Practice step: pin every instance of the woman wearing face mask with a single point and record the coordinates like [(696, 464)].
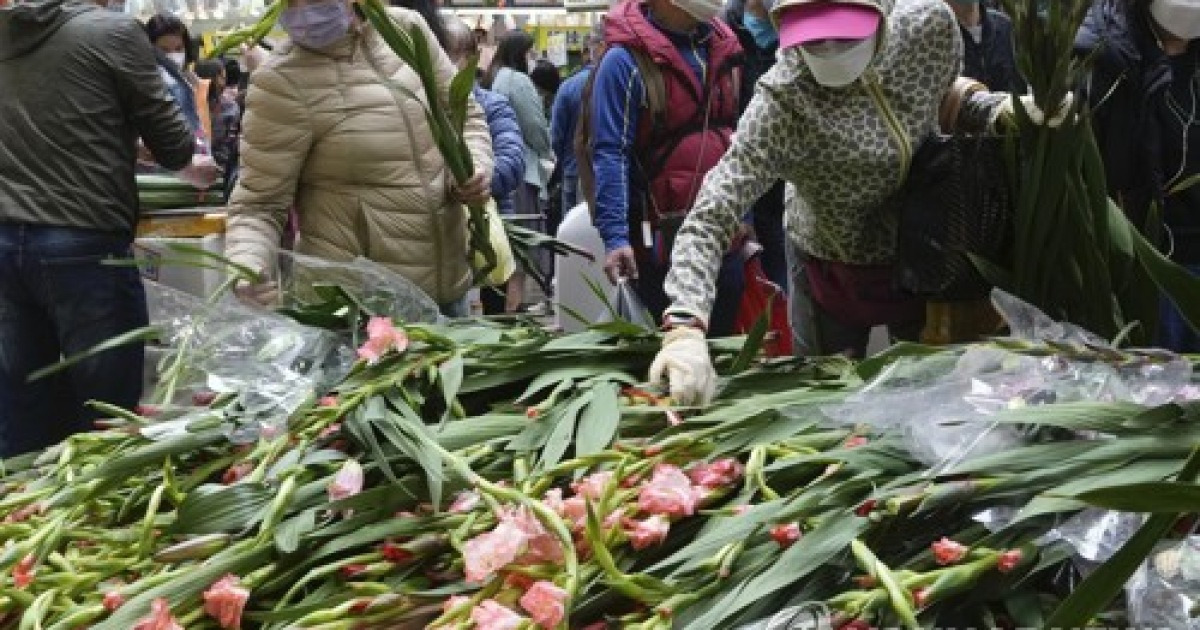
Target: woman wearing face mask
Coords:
[(857, 86), (1144, 91), (323, 129), (173, 45)]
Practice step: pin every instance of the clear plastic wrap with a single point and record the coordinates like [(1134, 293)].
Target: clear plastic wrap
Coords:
[(1165, 591), (946, 402), (379, 289), (270, 363)]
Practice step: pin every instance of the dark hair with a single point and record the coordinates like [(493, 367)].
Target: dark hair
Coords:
[(511, 52), (211, 69), (233, 72), (546, 77), (163, 24), (428, 9)]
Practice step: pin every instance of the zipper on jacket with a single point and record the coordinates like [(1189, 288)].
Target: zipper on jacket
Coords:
[(871, 81)]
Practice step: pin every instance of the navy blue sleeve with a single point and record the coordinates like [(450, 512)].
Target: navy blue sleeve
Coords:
[(562, 119), (508, 147), (617, 98)]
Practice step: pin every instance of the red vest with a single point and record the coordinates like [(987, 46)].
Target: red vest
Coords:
[(676, 150)]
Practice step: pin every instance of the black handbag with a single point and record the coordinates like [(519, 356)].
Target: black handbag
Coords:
[(956, 202)]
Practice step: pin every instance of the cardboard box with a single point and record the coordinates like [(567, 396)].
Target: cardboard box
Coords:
[(162, 262)]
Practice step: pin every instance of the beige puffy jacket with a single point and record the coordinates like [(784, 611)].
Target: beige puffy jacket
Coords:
[(358, 160)]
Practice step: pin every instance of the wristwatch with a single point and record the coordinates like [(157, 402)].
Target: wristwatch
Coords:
[(676, 320)]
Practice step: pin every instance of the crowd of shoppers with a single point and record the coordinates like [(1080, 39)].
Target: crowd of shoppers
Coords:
[(701, 124)]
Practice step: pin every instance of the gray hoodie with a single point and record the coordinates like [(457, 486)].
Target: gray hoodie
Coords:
[(80, 86)]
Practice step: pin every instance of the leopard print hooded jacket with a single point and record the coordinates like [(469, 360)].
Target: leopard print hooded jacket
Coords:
[(842, 151)]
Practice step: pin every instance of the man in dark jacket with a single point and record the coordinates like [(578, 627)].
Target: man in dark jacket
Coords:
[(988, 50), (80, 87), (1143, 92)]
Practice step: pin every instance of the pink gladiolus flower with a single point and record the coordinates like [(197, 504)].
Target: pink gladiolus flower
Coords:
[(491, 551), (225, 600), (23, 572), (546, 604), (1008, 560), (347, 482), (113, 600), (921, 596), (490, 615), (947, 552), (786, 534), (856, 441), (719, 474), (648, 532), (593, 486), (464, 502), (543, 546), (159, 618), (382, 336), (454, 602), (669, 493)]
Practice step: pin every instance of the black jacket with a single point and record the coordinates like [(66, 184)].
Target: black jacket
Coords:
[(80, 85), (1127, 87), (992, 61)]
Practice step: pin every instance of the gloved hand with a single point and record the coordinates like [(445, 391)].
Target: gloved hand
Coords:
[(684, 363), (1007, 111)]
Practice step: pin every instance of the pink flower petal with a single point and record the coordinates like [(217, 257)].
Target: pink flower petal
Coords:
[(546, 604), (649, 532), (159, 618), (489, 552), (347, 482), (225, 600), (719, 474), (593, 486), (669, 493), (491, 615)]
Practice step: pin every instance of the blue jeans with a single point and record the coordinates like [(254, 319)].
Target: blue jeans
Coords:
[(58, 299)]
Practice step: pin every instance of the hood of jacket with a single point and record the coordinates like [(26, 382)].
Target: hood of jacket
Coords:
[(1112, 33), (27, 24)]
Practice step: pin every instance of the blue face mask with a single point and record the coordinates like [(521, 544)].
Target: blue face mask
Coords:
[(763, 31), (316, 25)]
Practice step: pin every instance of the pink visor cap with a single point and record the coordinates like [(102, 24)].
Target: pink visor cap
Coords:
[(804, 22)]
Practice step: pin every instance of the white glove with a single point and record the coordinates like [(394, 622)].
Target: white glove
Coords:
[(1008, 111), (684, 363)]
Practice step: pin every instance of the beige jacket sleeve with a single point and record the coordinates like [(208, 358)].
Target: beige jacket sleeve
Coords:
[(275, 143), (475, 129)]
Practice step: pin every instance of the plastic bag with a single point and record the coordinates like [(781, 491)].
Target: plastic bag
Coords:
[(1165, 591), (759, 295), (946, 402), (271, 363), (379, 289), (629, 306)]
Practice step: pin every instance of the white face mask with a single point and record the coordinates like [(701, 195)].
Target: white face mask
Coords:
[(839, 63), (1180, 18), (178, 57), (702, 10)]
